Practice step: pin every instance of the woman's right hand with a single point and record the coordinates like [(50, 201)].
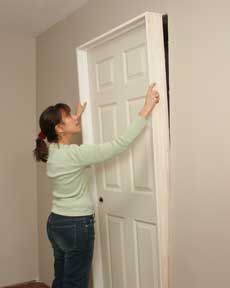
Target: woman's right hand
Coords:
[(80, 109), (151, 99)]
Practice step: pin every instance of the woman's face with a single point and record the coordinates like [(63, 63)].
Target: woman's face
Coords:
[(71, 125)]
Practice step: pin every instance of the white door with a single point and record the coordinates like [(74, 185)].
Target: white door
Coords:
[(118, 74)]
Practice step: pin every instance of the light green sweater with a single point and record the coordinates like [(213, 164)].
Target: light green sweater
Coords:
[(68, 167)]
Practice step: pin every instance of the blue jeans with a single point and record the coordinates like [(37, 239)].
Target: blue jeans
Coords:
[(72, 240)]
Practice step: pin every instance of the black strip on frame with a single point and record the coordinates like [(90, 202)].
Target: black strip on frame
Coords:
[(166, 48)]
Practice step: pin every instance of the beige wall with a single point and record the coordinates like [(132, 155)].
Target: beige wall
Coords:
[(18, 204), (200, 162)]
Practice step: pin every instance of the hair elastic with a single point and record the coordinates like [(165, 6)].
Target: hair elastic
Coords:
[(41, 135)]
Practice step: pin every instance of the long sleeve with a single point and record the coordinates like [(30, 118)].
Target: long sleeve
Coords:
[(87, 154)]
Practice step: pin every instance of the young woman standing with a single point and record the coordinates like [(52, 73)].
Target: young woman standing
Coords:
[(70, 225)]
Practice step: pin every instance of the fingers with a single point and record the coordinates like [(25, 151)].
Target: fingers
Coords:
[(151, 86), (83, 107), (152, 91), (157, 97), (84, 104), (79, 107)]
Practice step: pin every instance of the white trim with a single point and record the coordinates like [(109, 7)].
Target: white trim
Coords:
[(160, 139), (160, 133)]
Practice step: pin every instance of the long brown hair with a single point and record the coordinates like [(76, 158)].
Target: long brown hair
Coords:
[(49, 118)]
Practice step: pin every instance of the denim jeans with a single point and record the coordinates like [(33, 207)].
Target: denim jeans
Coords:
[(72, 240)]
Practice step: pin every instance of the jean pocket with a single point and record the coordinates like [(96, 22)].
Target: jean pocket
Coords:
[(89, 228), (63, 235), (85, 234)]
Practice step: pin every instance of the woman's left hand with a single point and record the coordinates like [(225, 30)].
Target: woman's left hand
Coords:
[(80, 109)]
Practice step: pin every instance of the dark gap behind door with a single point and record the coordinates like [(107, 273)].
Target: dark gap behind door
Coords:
[(166, 48)]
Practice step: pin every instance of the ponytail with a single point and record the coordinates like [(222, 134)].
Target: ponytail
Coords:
[(41, 151)]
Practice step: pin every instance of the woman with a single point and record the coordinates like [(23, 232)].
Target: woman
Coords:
[(70, 225)]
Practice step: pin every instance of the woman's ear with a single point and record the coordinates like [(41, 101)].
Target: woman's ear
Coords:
[(59, 128)]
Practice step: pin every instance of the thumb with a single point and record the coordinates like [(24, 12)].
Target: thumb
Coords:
[(151, 86)]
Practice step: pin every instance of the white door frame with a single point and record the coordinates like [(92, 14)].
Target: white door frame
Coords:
[(154, 42)]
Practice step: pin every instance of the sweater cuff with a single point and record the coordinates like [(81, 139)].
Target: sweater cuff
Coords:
[(143, 119), (140, 122)]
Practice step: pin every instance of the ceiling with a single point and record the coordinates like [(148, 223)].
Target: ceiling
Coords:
[(33, 17)]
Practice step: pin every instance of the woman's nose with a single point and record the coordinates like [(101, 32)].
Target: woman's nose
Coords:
[(74, 117)]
